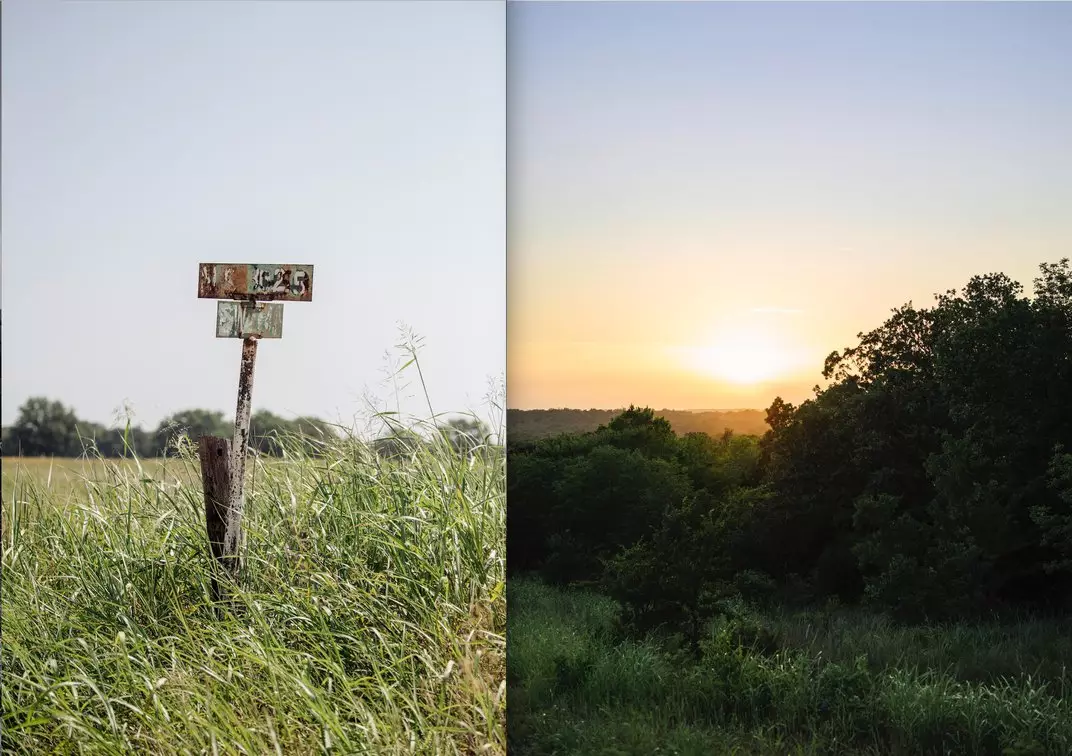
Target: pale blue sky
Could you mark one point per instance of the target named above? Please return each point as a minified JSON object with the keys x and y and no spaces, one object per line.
{"x":141,"y":138}
{"x":696,"y":184}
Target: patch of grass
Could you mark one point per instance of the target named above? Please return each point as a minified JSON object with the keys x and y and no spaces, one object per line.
{"x":973,"y":652}
{"x":578,"y":685}
{"x":370,"y":618}
{"x":67,"y":477}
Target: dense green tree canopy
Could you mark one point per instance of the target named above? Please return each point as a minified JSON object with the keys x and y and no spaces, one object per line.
{"x":913,"y":476}
{"x":45,"y":427}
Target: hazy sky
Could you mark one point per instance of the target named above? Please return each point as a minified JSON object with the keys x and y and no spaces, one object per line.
{"x":707,"y":198}
{"x":141,"y":138}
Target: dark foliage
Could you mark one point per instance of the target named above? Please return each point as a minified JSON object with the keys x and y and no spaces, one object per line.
{"x":931,"y":478}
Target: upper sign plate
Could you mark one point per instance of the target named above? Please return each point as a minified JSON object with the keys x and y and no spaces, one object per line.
{"x":292,"y":283}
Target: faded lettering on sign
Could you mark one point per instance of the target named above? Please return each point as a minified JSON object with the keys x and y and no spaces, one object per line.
{"x":255,"y":282}
{"x":291,"y":282}
{"x":237,"y":320}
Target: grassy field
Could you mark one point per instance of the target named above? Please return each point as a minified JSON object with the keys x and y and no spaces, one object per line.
{"x":63,"y":477}
{"x":67,"y":479}
{"x":370,"y":618}
{"x":833,"y":682}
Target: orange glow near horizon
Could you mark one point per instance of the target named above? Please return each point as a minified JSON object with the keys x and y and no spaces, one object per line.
{"x":605,"y":324}
{"x":689,"y":230}
{"x":743,"y":356}
{"x":739,"y":366}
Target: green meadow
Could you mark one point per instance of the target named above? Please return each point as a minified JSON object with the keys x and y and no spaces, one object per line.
{"x":834,"y":681}
{"x":370,"y":617}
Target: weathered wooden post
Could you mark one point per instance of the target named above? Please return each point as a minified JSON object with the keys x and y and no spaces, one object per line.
{"x":216,"y":481}
{"x":223,"y":462}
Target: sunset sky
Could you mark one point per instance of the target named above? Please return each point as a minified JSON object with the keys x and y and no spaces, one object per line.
{"x":707,"y":199}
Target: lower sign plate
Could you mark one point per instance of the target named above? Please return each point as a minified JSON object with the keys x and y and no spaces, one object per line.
{"x":237,"y":320}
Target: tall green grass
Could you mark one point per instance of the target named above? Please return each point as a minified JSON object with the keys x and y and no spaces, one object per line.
{"x":579,"y":684}
{"x":370,"y":617}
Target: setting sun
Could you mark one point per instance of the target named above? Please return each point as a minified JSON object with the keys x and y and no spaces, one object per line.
{"x":743,"y":356}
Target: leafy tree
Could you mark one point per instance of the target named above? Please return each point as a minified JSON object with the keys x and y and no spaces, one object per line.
{"x":720,"y":463}
{"x":397,"y":443}
{"x":314,"y":433}
{"x":674,"y":576}
{"x":43,"y":428}
{"x":1055,"y":518}
{"x":532,"y":472}
{"x":314,"y":427}
{"x":193,"y":423}
{"x":924,"y":457}
{"x":640,"y":429}
{"x":576,"y":500}
{"x":606,"y":500}
{"x":266,"y":432}
{"x":465,"y":434}
{"x":271,"y":434}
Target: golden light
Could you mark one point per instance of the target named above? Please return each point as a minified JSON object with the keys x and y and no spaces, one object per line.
{"x":745,"y":355}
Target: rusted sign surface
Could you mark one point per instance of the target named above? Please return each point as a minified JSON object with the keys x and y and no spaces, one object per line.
{"x":293,"y":283}
{"x":237,"y":320}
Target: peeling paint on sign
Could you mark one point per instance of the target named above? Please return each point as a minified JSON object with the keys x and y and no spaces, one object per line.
{"x":292,"y":283}
{"x":238,"y":320}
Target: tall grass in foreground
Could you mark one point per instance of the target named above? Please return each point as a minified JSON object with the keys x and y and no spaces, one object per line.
{"x":370,"y":618}
{"x":759,"y":685}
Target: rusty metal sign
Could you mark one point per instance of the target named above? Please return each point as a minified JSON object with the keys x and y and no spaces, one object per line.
{"x":293,"y":283}
{"x":237,"y":320}
{"x":248,"y":317}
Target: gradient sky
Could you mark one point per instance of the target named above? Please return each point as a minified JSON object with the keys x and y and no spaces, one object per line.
{"x":141,"y":138}
{"x":703,"y":189}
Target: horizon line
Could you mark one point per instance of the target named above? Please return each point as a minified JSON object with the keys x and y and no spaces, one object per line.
{"x":623,"y":408}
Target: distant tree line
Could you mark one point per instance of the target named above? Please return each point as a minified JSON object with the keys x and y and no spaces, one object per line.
{"x":464,"y":434}
{"x":931,"y":478}
{"x":48,"y":428}
{"x":543,"y":423}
